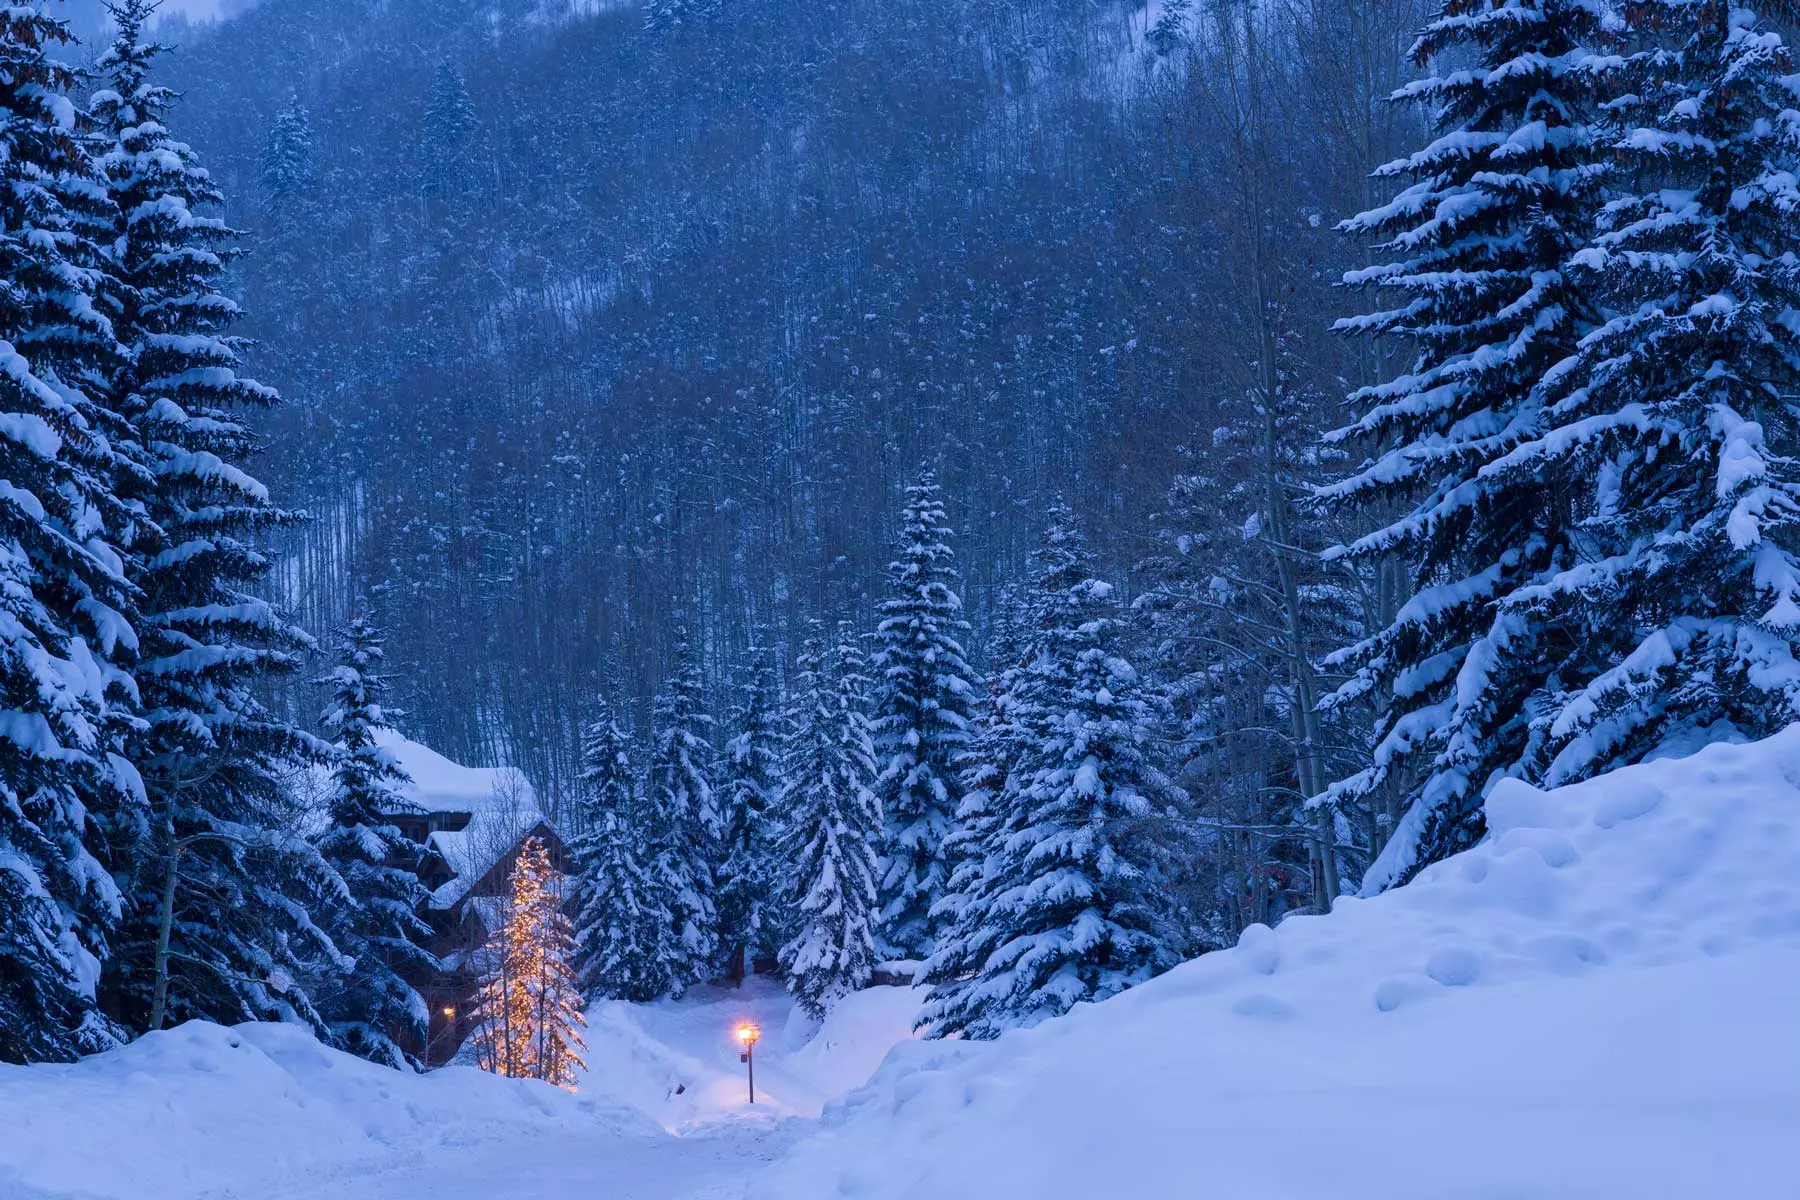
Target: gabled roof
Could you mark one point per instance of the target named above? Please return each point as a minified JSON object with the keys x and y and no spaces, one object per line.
{"x":501,"y":804}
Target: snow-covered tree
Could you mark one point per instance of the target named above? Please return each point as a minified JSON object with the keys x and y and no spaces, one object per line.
{"x":65,"y":611}
{"x":684,"y":820}
{"x":923,"y":693}
{"x":218,"y":890}
{"x":1482,"y":241}
{"x":287,"y":166}
{"x":829,"y":823}
{"x":530,"y":1009}
{"x":750,"y":776}
{"x":1671,"y":438}
{"x":987,"y":761}
{"x":667,"y":16}
{"x":444,"y":141}
{"x":624,"y":933}
{"x":377,"y":923}
{"x":1070,"y":904}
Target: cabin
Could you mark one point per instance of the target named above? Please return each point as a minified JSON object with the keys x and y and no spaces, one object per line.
{"x":472,"y":822}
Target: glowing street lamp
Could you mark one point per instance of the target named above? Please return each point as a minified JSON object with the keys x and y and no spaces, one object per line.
{"x":747,"y":1033}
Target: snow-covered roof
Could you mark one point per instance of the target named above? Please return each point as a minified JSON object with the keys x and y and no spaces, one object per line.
{"x":499,"y":800}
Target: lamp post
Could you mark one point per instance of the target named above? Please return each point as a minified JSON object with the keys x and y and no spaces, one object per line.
{"x":747,"y":1033}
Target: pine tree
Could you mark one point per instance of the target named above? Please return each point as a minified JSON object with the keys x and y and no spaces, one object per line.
{"x":986,"y":763}
{"x":684,"y":821}
{"x":1480,"y":283}
{"x":751,"y":775}
{"x":667,"y":16}
{"x":829,"y":820}
{"x":923,"y":695}
{"x":624,"y":932}
{"x":377,"y":922}
{"x":444,"y":138}
{"x":287,"y":166}
{"x":1170,"y":33}
{"x":530,"y":1009}
{"x":217,"y":891}
{"x":65,"y":612}
{"x":1671,"y":437}
{"x":1070,"y":905}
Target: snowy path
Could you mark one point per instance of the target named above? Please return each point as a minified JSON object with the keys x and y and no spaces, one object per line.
{"x":714,"y":1164}
{"x":263,"y":1112}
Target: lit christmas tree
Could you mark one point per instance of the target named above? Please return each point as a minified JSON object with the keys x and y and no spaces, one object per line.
{"x":531,"y":1018}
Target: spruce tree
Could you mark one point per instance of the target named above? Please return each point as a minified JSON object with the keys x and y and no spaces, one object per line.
{"x":1070,"y":904}
{"x":1482,"y":240}
{"x":829,"y":820}
{"x":217,"y":892}
{"x":986,"y":764}
{"x":287,"y":166}
{"x":444,"y":138}
{"x":923,"y":695}
{"x":624,"y":932}
{"x":530,"y":1009}
{"x":750,"y":772}
{"x":65,"y":607}
{"x":684,"y":821}
{"x":1672,"y":437}
{"x":376,"y":923}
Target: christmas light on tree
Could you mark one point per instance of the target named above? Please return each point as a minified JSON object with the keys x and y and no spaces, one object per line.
{"x":531,"y":1018}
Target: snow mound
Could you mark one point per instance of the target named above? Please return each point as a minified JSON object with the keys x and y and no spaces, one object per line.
{"x":1597,"y":1001}
{"x":204,"y":1111}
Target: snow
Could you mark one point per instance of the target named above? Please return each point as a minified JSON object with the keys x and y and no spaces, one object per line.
{"x":202,"y":1112}
{"x":1595,"y":1002}
{"x":501,"y":802}
{"x":640,"y":1054}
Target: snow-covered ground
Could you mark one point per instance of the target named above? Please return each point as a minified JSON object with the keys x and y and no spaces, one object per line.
{"x":1602,"y":1000}
{"x":1598,"y":1002}
{"x":207,"y":1113}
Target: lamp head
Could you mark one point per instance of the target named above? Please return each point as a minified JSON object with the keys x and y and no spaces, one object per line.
{"x":747,"y":1033}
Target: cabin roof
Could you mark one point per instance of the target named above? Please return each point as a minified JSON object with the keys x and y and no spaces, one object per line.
{"x":482,"y":812}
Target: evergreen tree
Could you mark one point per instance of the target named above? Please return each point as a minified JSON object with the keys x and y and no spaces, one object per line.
{"x":65,"y":613}
{"x":923,"y":695}
{"x":684,"y":821}
{"x":1070,"y":904}
{"x":986,"y":763}
{"x":751,"y":773}
{"x":377,"y":922}
{"x":217,"y":892}
{"x":531,"y":1022}
{"x":624,"y":932}
{"x":1480,"y":283}
{"x":449,"y":114}
{"x":445,"y":138}
{"x":287,"y":166}
{"x":667,"y":16}
{"x":1672,"y":437}
{"x":829,"y":820}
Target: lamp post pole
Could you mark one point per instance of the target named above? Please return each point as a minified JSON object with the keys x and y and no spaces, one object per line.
{"x":747,"y":1035}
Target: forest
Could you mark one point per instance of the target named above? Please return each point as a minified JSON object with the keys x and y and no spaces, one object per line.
{"x":1018,"y":493}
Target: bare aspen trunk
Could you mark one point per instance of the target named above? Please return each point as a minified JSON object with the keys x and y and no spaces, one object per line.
{"x":165,"y":923}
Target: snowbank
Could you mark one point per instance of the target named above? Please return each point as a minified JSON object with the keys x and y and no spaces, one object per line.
{"x":206,"y":1111}
{"x":1598,"y":1001}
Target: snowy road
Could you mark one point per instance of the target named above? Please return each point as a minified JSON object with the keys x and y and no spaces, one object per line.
{"x":710,"y":1164}
{"x":263,"y":1112}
